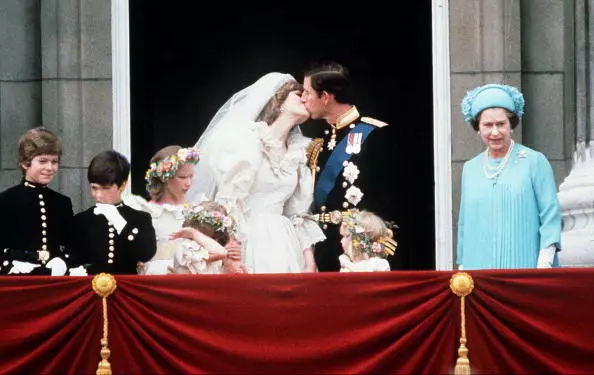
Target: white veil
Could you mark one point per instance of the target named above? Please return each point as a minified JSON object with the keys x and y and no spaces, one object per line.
{"x":241,"y":110}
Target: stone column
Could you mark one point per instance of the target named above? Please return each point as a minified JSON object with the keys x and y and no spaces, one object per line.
{"x":485,"y":48}
{"x":76,"y":86}
{"x":20,"y":73}
{"x":576,"y":193}
{"x":548,"y":76}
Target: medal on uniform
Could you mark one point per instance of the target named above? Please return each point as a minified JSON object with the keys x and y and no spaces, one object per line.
{"x":332,"y":142}
{"x":354,"y":143}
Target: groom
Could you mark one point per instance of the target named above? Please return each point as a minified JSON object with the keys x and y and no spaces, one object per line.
{"x":350,"y":166}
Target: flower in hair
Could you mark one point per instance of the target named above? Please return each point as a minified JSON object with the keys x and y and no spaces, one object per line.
{"x":164,"y":170}
{"x":382,"y":247}
{"x":215,"y":219}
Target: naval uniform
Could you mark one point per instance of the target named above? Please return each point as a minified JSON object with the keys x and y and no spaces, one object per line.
{"x":35,"y":224}
{"x":100,"y":248}
{"x":352,"y":171}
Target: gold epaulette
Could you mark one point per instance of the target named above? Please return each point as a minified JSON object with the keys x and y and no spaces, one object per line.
{"x":312,"y":153}
{"x":374,"y":122}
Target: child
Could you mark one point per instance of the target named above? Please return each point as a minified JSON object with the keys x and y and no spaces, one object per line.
{"x":111,"y":236}
{"x":366,"y":241}
{"x":34,"y":219}
{"x":168,"y":179}
{"x":207,"y":242}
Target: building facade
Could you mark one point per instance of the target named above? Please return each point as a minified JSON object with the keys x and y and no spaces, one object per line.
{"x":65,"y":64}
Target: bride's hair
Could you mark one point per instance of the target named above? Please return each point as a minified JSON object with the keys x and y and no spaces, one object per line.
{"x":156,"y":187}
{"x":272,"y":109}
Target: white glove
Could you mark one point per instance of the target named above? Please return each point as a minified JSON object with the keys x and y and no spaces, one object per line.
{"x":546,"y":257}
{"x":58,"y":266}
{"x":22,"y":267}
{"x":112,"y":215}
{"x":461,"y":267}
{"x":78,"y":271}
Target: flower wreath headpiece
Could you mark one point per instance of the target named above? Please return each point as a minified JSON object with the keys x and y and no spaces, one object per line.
{"x":215,"y":219}
{"x":165,"y":169}
{"x":383,"y":247}
{"x":492,"y":96}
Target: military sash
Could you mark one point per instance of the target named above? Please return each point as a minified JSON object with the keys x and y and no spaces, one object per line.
{"x":329,"y":174}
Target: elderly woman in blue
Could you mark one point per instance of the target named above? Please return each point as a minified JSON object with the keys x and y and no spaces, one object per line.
{"x":509,"y":211}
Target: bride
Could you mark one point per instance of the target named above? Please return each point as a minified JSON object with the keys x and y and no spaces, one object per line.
{"x":254,"y":163}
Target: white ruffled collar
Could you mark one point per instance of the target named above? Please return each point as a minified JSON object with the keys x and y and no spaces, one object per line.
{"x":282,"y":162}
{"x":153,"y":208}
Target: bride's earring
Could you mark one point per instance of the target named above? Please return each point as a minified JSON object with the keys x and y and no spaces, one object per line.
{"x":282,"y":108}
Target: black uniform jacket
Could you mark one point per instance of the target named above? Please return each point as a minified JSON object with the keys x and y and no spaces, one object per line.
{"x":377,"y":180}
{"x":99,"y":247}
{"x":35,"y":225}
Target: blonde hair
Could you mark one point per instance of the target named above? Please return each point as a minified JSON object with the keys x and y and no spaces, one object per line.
{"x":374,"y":226}
{"x":156,"y":188}
{"x":35,"y":142}
{"x":369,"y":233}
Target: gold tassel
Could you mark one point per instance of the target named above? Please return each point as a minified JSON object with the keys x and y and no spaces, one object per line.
{"x":462,"y":284}
{"x":104,"y":284}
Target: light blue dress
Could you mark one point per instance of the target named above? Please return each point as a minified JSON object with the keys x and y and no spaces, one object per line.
{"x":505,"y":221}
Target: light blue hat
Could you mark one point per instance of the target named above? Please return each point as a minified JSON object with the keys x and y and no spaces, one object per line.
{"x":492,"y":96}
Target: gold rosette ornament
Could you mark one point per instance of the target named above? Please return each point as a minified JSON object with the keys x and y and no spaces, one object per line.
{"x":104,"y":284}
{"x":461,"y":285}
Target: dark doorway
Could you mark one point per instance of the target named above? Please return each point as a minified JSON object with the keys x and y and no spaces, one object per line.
{"x":186,"y":61}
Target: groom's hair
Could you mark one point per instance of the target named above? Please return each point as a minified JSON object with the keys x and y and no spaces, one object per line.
{"x":108,"y":168}
{"x":333,"y":78}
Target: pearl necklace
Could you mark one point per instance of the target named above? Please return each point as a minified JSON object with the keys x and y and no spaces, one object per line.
{"x":501,"y":165}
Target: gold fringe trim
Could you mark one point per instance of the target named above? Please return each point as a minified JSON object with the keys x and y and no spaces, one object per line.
{"x":104,"y":284}
{"x":461,"y":285}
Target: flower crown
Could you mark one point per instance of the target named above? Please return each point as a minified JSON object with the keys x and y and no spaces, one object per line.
{"x":469,"y":99}
{"x":215,"y":219}
{"x":383,"y":247}
{"x":165,"y":169}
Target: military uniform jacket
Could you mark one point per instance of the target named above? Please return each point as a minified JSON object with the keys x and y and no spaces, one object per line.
{"x":100,"y":248}
{"x":365,"y":181}
{"x":35,"y":224}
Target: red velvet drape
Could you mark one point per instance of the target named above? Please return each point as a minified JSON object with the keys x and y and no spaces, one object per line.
{"x":331,"y":323}
{"x":49,"y":325}
{"x":527,"y":321}
{"x":531,"y":321}
{"x":334,"y":323}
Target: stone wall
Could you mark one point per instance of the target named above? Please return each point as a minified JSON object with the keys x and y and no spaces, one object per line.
{"x":55,"y":70}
